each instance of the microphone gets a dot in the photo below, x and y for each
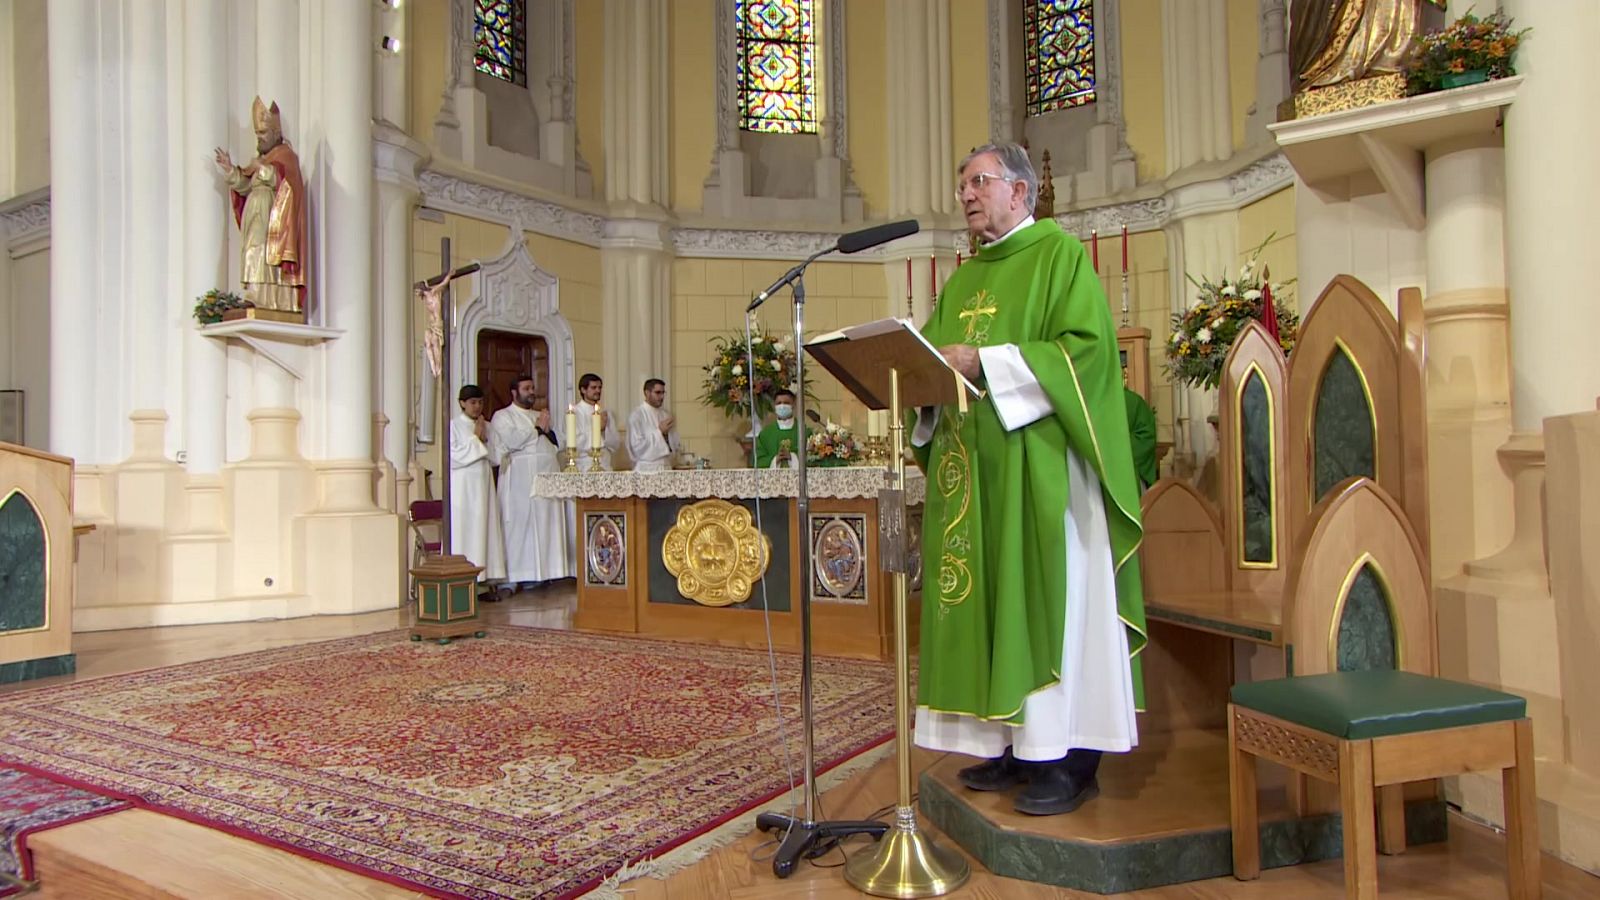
(867, 238)
(854, 242)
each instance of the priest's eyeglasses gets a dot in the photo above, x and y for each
(978, 182)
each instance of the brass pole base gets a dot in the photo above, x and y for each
(907, 863)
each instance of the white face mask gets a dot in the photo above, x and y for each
(784, 411)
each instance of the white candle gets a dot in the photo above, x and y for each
(572, 427)
(596, 433)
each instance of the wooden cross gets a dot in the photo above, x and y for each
(442, 420)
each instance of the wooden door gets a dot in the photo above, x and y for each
(503, 356)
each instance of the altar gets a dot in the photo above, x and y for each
(698, 554)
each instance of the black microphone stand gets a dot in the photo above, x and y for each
(805, 836)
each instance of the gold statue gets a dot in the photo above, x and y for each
(1337, 41)
(269, 205)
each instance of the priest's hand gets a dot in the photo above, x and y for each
(964, 359)
(481, 429)
(224, 161)
(543, 420)
(667, 423)
(605, 419)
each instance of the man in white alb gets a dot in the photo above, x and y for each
(536, 529)
(652, 431)
(589, 390)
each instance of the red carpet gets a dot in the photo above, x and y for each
(531, 763)
(31, 803)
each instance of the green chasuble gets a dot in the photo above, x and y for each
(994, 531)
(768, 441)
(1142, 437)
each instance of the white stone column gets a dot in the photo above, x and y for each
(1469, 395)
(635, 255)
(154, 306)
(205, 244)
(347, 224)
(398, 159)
(1194, 37)
(74, 167)
(917, 66)
(278, 63)
(1552, 188)
(636, 98)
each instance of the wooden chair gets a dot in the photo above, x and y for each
(1366, 713)
(420, 515)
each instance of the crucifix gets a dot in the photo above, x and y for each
(447, 584)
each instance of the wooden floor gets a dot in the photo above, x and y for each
(140, 854)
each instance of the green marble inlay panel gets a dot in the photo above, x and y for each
(24, 596)
(29, 669)
(1255, 427)
(1342, 442)
(1139, 864)
(1366, 626)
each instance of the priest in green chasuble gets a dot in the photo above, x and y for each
(779, 439)
(1033, 616)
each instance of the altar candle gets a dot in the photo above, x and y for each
(1094, 248)
(933, 276)
(1124, 249)
(596, 433)
(958, 259)
(908, 278)
(572, 426)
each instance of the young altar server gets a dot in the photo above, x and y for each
(652, 431)
(474, 515)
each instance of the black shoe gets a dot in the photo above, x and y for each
(1053, 790)
(995, 774)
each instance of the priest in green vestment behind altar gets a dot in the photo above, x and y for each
(1033, 612)
(779, 439)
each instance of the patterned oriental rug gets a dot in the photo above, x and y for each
(531, 763)
(30, 803)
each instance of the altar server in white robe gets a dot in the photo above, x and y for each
(474, 514)
(537, 530)
(589, 389)
(652, 431)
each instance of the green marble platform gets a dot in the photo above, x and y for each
(29, 669)
(1161, 818)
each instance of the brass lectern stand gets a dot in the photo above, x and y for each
(887, 364)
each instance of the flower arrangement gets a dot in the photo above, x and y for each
(1454, 56)
(209, 307)
(834, 445)
(728, 385)
(1203, 335)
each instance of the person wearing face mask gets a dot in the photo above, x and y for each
(780, 440)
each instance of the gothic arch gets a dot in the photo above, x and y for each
(515, 295)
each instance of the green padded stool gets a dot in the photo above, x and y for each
(1374, 731)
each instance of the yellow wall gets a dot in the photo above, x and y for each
(589, 94)
(709, 299)
(865, 104)
(1273, 216)
(1149, 284)
(693, 129)
(1142, 88)
(428, 34)
(1244, 28)
(31, 84)
(969, 79)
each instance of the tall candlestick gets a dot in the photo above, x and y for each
(1124, 248)
(933, 276)
(597, 436)
(958, 259)
(908, 278)
(1094, 248)
(572, 427)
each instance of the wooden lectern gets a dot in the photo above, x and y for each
(887, 364)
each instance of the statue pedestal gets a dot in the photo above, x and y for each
(447, 599)
(265, 315)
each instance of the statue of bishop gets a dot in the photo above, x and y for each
(269, 205)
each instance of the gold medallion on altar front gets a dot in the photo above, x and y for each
(716, 552)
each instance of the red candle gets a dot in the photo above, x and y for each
(933, 276)
(958, 259)
(908, 278)
(1094, 245)
(1124, 249)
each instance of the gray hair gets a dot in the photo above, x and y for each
(1014, 163)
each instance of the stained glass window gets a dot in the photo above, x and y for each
(499, 34)
(1058, 51)
(777, 53)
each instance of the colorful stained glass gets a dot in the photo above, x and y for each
(777, 54)
(1058, 51)
(500, 35)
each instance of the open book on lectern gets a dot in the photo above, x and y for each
(861, 357)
